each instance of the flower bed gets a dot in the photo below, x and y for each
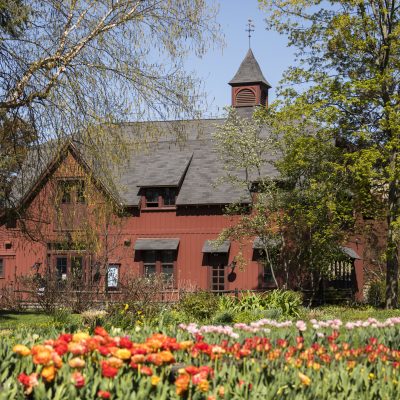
(266, 359)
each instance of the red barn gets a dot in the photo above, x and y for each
(172, 202)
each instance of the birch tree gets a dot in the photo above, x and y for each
(69, 65)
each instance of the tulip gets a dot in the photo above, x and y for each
(123, 354)
(21, 350)
(305, 380)
(107, 371)
(103, 394)
(80, 336)
(100, 331)
(115, 362)
(48, 373)
(78, 380)
(146, 370)
(76, 362)
(182, 384)
(42, 357)
(155, 380)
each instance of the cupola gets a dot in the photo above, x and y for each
(249, 87)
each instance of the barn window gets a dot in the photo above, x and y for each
(159, 197)
(245, 97)
(159, 263)
(61, 268)
(71, 191)
(218, 278)
(67, 265)
(149, 263)
(2, 268)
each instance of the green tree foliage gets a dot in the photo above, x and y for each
(346, 81)
(300, 206)
(246, 150)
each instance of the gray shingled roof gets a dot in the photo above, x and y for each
(210, 247)
(190, 162)
(195, 161)
(350, 252)
(249, 71)
(157, 168)
(156, 244)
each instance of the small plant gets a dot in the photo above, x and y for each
(286, 300)
(224, 318)
(138, 303)
(280, 303)
(93, 318)
(61, 315)
(376, 293)
(201, 305)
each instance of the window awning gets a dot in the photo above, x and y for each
(209, 247)
(350, 252)
(258, 244)
(156, 244)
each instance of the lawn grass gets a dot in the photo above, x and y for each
(28, 319)
(36, 319)
(346, 313)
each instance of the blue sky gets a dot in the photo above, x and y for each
(218, 66)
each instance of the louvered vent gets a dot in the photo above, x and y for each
(245, 97)
(264, 98)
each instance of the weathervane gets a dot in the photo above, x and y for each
(250, 28)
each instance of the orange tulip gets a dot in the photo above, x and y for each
(76, 362)
(48, 373)
(42, 357)
(166, 356)
(137, 358)
(187, 344)
(203, 385)
(114, 362)
(182, 384)
(21, 350)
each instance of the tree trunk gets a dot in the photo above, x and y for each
(392, 260)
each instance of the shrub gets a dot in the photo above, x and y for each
(93, 318)
(248, 317)
(61, 316)
(51, 294)
(223, 318)
(284, 303)
(288, 301)
(138, 302)
(376, 293)
(10, 299)
(200, 305)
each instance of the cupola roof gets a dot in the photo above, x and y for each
(249, 72)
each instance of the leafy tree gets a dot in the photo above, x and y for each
(300, 207)
(245, 148)
(346, 81)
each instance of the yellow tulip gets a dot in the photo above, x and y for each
(305, 380)
(21, 350)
